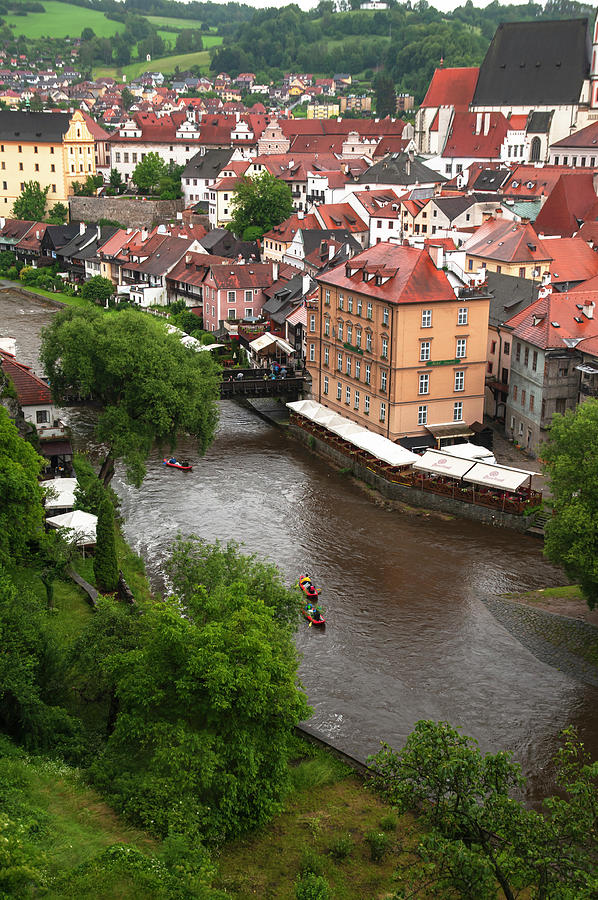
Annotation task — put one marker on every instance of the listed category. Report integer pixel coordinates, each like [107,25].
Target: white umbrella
[60,493]
[80,526]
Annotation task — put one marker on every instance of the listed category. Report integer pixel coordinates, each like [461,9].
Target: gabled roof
[398,169]
[453,206]
[509,295]
[193,267]
[550,322]
[535,63]
[567,205]
[31,390]
[340,215]
[572,260]
[491,179]
[451,87]
[234,277]
[476,135]
[32,240]
[40,127]
[15,229]
[208,164]
[506,241]
[409,275]
[585,137]
[168,254]
[286,231]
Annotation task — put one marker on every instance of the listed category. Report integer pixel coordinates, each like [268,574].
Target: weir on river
[408,634]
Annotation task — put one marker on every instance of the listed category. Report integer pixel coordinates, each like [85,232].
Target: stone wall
[132,212]
[412,496]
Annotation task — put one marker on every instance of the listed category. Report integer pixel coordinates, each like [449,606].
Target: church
[542,76]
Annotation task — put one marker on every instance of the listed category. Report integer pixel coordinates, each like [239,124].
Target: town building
[398,347]
[233,292]
[55,149]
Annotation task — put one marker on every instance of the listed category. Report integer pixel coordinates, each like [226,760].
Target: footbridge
[251,383]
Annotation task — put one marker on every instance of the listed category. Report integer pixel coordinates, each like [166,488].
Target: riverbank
[55,297]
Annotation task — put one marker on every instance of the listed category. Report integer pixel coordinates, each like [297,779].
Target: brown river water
[408,634]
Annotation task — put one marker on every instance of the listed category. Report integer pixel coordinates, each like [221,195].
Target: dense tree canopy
[259,204]
[475,836]
[31,202]
[150,387]
[148,172]
[207,700]
[572,533]
[21,510]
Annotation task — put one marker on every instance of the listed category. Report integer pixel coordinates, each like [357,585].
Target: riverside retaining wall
[132,212]
[409,495]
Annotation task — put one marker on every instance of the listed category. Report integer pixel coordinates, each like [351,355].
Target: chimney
[331,251]
[408,166]
[588,310]
[478,122]
[411,155]
[305,283]
[498,212]
[300,214]
[37,234]
[486,122]
[144,233]
[323,249]
[275,271]
[187,258]
[81,227]
[486,216]
[594,184]
[437,254]
[98,232]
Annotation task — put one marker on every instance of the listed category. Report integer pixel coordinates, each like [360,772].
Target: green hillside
[62,20]
[166,64]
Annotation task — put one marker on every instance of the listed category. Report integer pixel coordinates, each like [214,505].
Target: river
[408,635]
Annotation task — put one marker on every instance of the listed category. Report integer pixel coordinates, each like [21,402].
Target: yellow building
[394,348]
[323,110]
[55,149]
[507,247]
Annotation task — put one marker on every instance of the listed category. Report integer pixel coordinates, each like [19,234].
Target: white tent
[304,407]
[440,463]
[345,428]
[383,449]
[80,526]
[470,451]
[60,493]
[263,342]
[500,477]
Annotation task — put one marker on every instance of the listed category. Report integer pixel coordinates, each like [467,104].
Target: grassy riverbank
[56,296]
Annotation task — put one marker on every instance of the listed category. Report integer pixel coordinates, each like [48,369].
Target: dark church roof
[16,125]
[535,63]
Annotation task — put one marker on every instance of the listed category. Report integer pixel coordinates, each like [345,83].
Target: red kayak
[184,467]
[311,609]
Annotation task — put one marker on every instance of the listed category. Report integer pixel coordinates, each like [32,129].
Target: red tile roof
[452,87]
[585,137]
[31,390]
[572,260]
[233,277]
[32,240]
[535,181]
[193,268]
[467,137]
[506,241]
[340,215]
[552,319]
[412,276]
[286,231]
[567,206]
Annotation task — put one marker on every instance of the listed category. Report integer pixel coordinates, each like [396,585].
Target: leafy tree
[386,98]
[571,532]
[148,172]
[54,554]
[105,565]
[87,34]
[116,181]
[211,693]
[98,289]
[21,510]
[31,202]
[127,97]
[58,214]
[260,203]
[474,835]
[89,187]
[150,386]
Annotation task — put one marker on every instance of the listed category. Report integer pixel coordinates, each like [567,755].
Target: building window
[20,148]
[358,337]
[248,312]
[327,297]
[506,347]
[20,167]
[424,383]
[526,357]
[37,167]
[518,351]
[460,380]
[312,352]
[232,313]
[461,348]
[366,404]
[53,188]
[231,296]
[383,412]
[125,157]
[326,356]
[426,318]
[42,416]
[385,316]
[358,306]
[514,393]
[535,361]
[339,390]
[325,384]
[133,156]
[369,311]
[348,365]
[458,411]
[348,395]
[358,368]
[422,415]
[424,351]
[368,341]
[350,304]
[368,373]
[522,397]
[340,331]
[341,301]
[312,322]
[384,348]
[52,168]
[327,327]
[349,334]
[356,401]
[383,380]
[531,402]
[522,271]
[117,156]
[339,362]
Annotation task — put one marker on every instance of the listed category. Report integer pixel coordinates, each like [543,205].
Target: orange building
[394,347]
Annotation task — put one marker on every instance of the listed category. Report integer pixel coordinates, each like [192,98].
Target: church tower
[594,68]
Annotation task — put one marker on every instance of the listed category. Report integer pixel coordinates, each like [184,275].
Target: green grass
[165,64]
[72,610]
[170,22]
[571,591]
[60,297]
[62,20]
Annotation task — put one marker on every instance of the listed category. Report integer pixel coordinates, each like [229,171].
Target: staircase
[538,523]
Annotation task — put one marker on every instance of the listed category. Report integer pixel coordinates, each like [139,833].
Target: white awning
[440,463]
[383,449]
[79,526]
[262,343]
[470,451]
[345,428]
[497,477]
[304,407]
[60,493]
[326,417]
[286,348]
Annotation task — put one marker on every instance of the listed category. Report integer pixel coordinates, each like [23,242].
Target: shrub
[105,565]
[312,887]
[341,847]
[379,844]
[312,862]
[389,822]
